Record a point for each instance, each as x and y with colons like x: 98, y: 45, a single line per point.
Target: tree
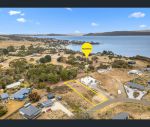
x: 5, y: 51
x: 34, y: 97
x: 53, y: 78
x: 22, y: 47
x: 48, y: 89
x: 42, y: 60
x: 48, y: 58
x: 3, y: 110
x: 67, y: 74
x: 11, y: 48
x: 45, y: 59
x: 20, y: 65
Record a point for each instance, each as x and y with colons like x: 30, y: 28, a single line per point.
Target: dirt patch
x: 75, y: 103
x: 53, y: 115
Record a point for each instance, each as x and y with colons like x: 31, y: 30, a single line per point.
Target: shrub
x: 32, y: 59
x: 48, y: 89
x: 45, y: 59
x: 3, y: 110
x: 102, y: 66
x: 136, y: 94
x: 41, y: 85
x: 120, y: 64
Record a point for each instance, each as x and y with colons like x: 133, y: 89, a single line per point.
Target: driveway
x: 59, y: 106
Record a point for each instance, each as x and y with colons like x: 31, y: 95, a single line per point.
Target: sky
x: 72, y: 20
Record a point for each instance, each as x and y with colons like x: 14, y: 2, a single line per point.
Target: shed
x: 13, y: 85
x: 30, y: 111
x: 121, y: 116
x: 59, y: 98
x: 47, y: 103
x: 4, y: 96
x: 50, y: 96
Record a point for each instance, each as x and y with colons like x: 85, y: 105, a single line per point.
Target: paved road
x: 100, y: 106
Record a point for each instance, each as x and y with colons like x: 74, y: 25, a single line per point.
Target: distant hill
x: 52, y: 34
x: 121, y: 33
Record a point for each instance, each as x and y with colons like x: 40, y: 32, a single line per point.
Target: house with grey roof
x: 47, y: 103
x: 21, y: 94
x: 147, y: 69
x: 4, y: 96
x: 30, y: 112
x: 135, y: 86
x: 121, y: 116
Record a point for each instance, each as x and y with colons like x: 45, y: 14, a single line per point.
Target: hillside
x: 120, y: 33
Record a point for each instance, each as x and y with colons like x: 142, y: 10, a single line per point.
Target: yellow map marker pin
x: 86, y: 49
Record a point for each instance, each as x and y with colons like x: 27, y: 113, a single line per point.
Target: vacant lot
x: 73, y: 102
x: 87, y: 94
x: 12, y: 107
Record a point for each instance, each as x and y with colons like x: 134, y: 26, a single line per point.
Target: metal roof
x: 21, y: 93
x: 134, y: 85
x: 4, y: 96
x: 30, y: 111
x: 47, y: 103
x: 13, y: 85
x: 50, y: 96
x: 122, y: 115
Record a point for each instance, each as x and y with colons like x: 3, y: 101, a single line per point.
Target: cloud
x: 77, y: 31
x: 69, y: 9
x: 94, y: 24
x: 137, y: 15
x: 11, y: 12
x: 22, y: 20
x: 142, y: 26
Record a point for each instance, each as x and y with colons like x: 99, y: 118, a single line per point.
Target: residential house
x: 21, y: 94
x: 4, y: 96
x: 135, y: 86
x: 30, y: 112
x: 136, y: 72
x: 89, y: 81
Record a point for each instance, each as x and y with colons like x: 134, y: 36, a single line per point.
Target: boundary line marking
x: 104, y: 98
x: 100, y: 95
x: 79, y: 93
